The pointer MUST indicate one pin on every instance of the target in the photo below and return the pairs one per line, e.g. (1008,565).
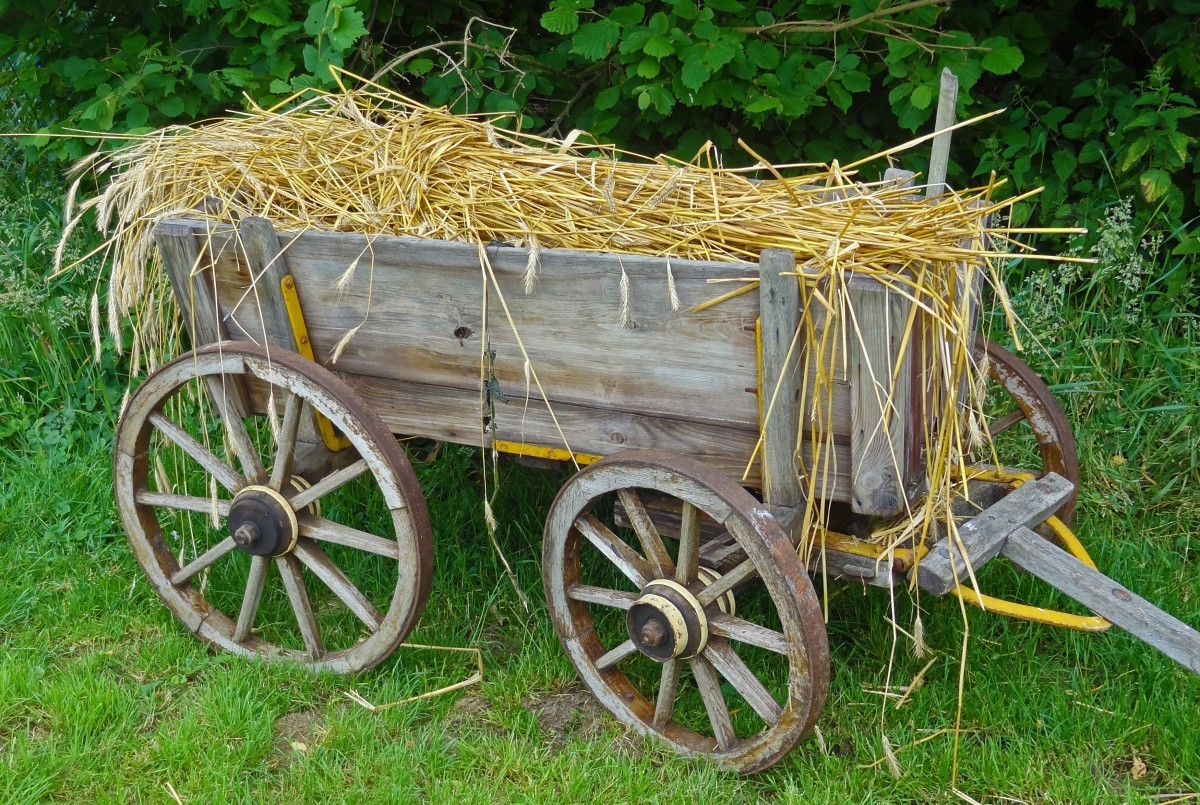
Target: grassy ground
(103,696)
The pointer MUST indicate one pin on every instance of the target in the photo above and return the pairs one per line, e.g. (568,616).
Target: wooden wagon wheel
(634,620)
(237,511)
(1032,407)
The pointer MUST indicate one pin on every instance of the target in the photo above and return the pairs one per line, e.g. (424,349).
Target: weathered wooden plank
(939,156)
(263,255)
(982,537)
(1105,597)
(452,415)
(193,279)
(880,398)
(779,310)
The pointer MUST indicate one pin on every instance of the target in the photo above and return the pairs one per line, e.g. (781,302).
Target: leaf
(658,46)
(137,116)
(1137,769)
(265,16)
(685,9)
(659,23)
(764,54)
(856,81)
(841,99)
(1001,58)
(1180,142)
(1134,153)
(695,72)
(348,26)
(628,15)
(607,98)
(764,104)
(706,31)
(721,52)
(594,40)
(726,6)
(1064,164)
(649,68)
(922,96)
(560,20)
(171,107)
(1154,183)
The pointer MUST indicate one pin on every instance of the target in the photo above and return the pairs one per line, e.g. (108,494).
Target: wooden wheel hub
(262,522)
(667,621)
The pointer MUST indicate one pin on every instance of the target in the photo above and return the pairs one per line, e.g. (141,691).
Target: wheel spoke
(647,534)
(188,503)
(627,560)
(281,468)
(324,569)
(329,531)
(602,596)
(235,429)
(743,572)
(1001,424)
(254,590)
(293,582)
(614,656)
(226,475)
(714,701)
(743,680)
(746,632)
(668,690)
(203,560)
(330,482)
(689,544)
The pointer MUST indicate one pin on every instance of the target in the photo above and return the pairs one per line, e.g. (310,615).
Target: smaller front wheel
(734,667)
(331,572)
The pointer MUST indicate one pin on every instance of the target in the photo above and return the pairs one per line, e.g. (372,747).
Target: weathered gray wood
(450,414)
(779,309)
(193,279)
(1105,597)
(260,248)
(982,537)
(879,399)
(939,157)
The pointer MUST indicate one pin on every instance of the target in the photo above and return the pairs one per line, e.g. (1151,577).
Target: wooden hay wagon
(670,561)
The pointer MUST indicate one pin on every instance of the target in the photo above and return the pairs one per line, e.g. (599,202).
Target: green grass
(103,696)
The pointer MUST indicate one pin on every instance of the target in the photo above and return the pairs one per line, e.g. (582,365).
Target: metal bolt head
(246,535)
(652,633)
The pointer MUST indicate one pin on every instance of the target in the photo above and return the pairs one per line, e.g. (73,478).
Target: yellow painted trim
(1025,612)
(287,286)
(538,451)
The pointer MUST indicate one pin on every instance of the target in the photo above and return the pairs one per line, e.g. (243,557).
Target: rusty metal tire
(794,656)
(250,502)
(1041,412)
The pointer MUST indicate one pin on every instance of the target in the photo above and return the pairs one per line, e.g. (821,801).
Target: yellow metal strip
(1025,612)
(291,301)
(538,451)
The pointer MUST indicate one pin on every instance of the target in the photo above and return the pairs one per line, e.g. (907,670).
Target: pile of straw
(369,160)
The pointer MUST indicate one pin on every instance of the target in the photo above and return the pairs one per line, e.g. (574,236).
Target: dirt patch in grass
(574,713)
(298,732)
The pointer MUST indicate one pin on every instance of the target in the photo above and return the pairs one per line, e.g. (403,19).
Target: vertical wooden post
(880,397)
(779,311)
(939,156)
(260,248)
(194,284)
(259,245)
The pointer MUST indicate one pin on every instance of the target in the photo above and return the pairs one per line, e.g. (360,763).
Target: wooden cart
(671,571)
